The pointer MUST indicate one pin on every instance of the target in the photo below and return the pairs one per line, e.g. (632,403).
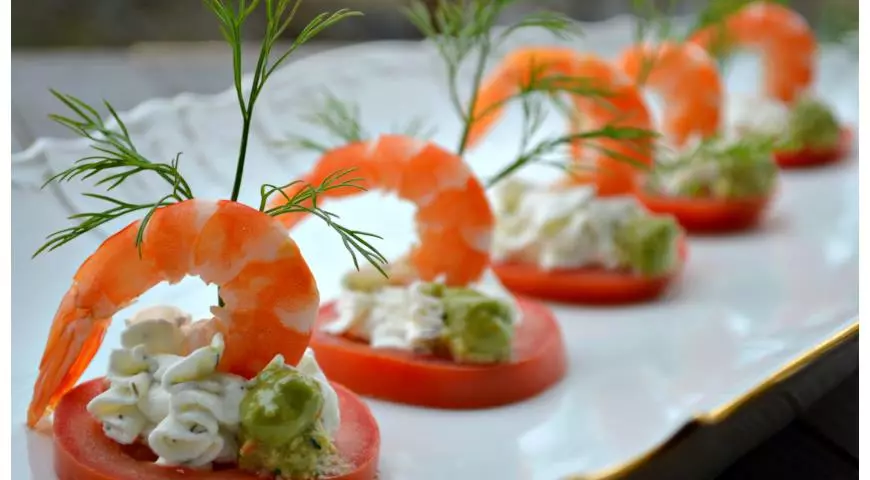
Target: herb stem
(240,165)
(514,166)
(475,91)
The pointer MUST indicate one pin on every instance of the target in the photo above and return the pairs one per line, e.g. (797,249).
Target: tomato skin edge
(540,362)
(809,158)
(707,215)
(588,286)
(82,451)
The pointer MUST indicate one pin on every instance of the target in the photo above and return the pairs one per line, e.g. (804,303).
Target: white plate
(747,306)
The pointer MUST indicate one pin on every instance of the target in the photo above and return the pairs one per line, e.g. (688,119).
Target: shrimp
(620,104)
(787,44)
(454,219)
(687,79)
(269,293)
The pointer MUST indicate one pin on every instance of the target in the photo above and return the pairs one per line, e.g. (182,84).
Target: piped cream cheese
(179,405)
(404,317)
(558,228)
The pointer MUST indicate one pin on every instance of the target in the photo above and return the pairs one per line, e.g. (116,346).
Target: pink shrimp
(687,79)
(270,296)
(621,105)
(454,219)
(786,41)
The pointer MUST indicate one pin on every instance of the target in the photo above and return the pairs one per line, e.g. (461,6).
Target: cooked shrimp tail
(687,79)
(784,38)
(80,339)
(615,161)
(454,220)
(270,295)
(620,104)
(518,70)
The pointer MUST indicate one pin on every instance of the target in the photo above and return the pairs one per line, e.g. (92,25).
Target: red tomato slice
(539,361)
(83,452)
(708,215)
(595,286)
(809,157)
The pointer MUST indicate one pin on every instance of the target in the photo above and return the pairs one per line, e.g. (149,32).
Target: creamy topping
(558,228)
(757,115)
(736,167)
(392,317)
(411,317)
(186,411)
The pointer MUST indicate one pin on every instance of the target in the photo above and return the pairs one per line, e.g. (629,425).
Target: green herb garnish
(116,158)
(462,31)
(340,119)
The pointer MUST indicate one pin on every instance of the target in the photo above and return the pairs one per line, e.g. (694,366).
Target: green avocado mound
(812,124)
(648,244)
(478,329)
(281,434)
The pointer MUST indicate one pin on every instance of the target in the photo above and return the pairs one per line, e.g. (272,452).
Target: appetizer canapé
(175,409)
(182,388)
(807,128)
(431,334)
(585,240)
(717,185)
(805,134)
(707,182)
(568,244)
(236,396)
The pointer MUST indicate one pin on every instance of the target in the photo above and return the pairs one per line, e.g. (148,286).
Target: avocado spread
(648,243)
(281,434)
(477,328)
(812,124)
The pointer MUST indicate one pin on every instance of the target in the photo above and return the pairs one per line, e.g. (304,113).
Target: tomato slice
(810,157)
(83,452)
(708,215)
(592,286)
(539,361)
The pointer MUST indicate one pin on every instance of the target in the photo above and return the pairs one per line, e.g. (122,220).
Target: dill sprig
(542,152)
(716,11)
(544,89)
(653,24)
(340,120)
(305,201)
(115,160)
(279,13)
(839,23)
(463,29)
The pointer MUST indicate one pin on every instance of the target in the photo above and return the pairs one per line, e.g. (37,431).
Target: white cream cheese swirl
(393,317)
(404,317)
(186,412)
(558,228)
(203,412)
(180,406)
(755,115)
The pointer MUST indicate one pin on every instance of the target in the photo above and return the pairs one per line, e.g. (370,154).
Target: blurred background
(56,23)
